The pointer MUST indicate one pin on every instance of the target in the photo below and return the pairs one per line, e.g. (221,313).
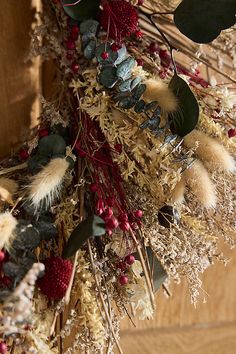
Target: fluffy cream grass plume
(178,192)
(198,180)
(8,188)
(7,227)
(157,90)
(210,151)
(47,184)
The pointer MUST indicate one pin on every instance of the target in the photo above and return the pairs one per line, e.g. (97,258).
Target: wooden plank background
(177,328)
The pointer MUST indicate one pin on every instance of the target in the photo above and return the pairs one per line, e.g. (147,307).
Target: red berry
(3,348)
(123,280)
(130,259)
(75,29)
(23,154)
(93,187)
(70,45)
(109,231)
(105,55)
(138,214)
(153,47)
(139,62)
(75,67)
(112,223)
(124,226)
(2,256)
(110,201)
(140,2)
(43,132)
(231,133)
(138,34)
(108,213)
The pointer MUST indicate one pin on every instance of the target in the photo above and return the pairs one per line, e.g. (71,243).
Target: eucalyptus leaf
(85,38)
(112,56)
(150,106)
(203,20)
(122,53)
(84,10)
(89,26)
(107,76)
(127,102)
(90,227)
(136,81)
(138,91)
(51,145)
(89,50)
(119,96)
(125,86)
(124,69)
(139,107)
(184,120)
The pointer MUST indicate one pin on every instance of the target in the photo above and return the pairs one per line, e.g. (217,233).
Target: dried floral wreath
(129,179)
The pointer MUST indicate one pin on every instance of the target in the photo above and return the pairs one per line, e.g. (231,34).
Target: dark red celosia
(119,18)
(56,279)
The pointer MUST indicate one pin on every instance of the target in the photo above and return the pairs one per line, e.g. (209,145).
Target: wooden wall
(178,328)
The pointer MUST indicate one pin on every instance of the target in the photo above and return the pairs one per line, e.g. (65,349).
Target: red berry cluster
(3,348)
(107,209)
(56,279)
(122,266)
(71,47)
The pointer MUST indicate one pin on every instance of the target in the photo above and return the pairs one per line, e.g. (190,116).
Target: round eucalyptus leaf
(81,11)
(112,56)
(120,96)
(51,145)
(122,53)
(85,38)
(136,81)
(184,120)
(150,106)
(127,102)
(139,106)
(125,86)
(203,20)
(89,26)
(108,77)
(89,50)
(124,69)
(138,91)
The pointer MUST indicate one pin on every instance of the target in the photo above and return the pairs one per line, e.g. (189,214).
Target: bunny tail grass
(13,169)
(210,151)
(7,227)
(157,90)
(47,184)
(178,192)
(8,187)
(198,179)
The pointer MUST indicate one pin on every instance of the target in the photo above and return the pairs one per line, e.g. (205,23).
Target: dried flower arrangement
(128,178)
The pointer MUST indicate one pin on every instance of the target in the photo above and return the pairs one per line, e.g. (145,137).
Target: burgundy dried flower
(119,18)
(56,279)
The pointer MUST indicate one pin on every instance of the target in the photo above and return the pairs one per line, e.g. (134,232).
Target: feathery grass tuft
(8,187)
(7,227)
(47,184)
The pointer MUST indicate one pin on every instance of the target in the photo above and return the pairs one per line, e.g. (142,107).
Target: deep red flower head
(56,279)
(119,18)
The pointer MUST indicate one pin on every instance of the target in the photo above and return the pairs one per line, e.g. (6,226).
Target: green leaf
(122,52)
(125,86)
(84,10)
(51,145)
(184,120)
(112,56)
(138,91)
(124,69)
(107,76)
(90,227)
(89,26)
(139,107)
(158,272)
(89,50)
(203,20)
(127,102)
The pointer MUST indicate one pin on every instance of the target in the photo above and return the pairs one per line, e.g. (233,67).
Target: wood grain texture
(19,79)
(189,340)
